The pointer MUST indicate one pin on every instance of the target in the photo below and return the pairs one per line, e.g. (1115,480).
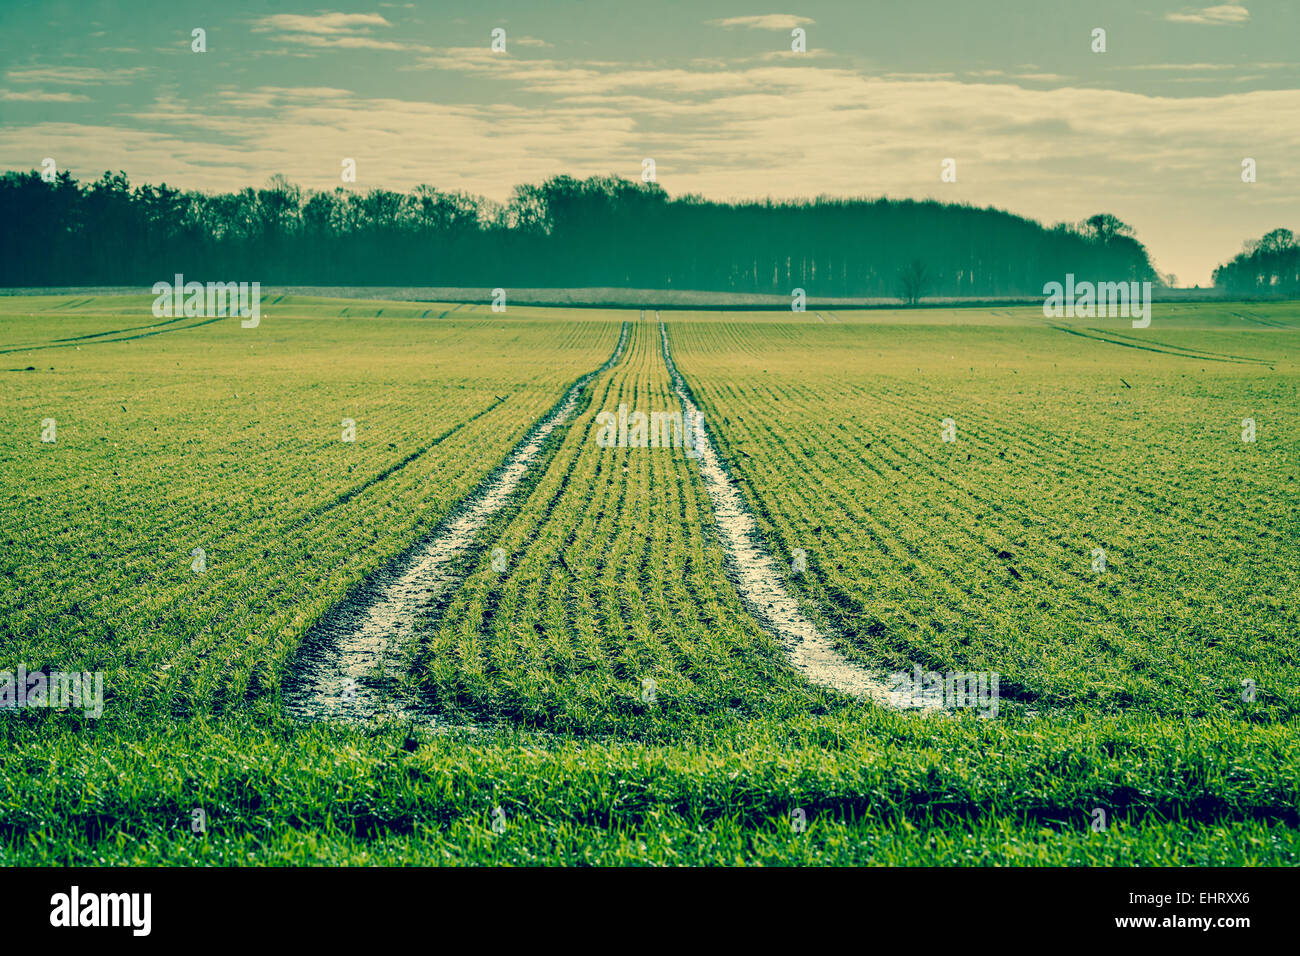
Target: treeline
(1268,265)
(565,232)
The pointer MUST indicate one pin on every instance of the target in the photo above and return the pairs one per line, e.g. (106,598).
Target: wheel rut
(756,572)
(351,662)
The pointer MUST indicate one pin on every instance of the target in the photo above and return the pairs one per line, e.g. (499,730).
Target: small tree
(913,280)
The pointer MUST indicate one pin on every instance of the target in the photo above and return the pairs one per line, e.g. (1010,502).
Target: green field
(1164,690)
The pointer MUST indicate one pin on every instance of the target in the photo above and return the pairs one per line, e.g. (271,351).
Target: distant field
(606,297)
(1122,689)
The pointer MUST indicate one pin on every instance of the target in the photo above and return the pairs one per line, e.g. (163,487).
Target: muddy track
(1163,351)
(1267,323)
(756,573)
(351,661)
(131,328)
(1183,348)
(67,344)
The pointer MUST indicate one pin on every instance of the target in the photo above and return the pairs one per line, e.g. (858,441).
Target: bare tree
(1104,228)
(565,232)
(914,280)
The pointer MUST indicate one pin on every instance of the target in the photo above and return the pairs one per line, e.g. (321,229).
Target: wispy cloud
(345,42)
(348,31)
(324,23)
(74,75)
(1182,67)
(41,96)
(768,21)
(729,133)
(1220,14)
(919,76)
(994,74)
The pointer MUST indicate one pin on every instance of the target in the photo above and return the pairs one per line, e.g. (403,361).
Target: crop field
(592,676)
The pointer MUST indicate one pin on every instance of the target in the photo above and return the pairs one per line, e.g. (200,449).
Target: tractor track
(755,571)
(352,660)
(1163,351)
(77,343)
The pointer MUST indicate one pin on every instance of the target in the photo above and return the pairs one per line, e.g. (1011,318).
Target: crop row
(978,554)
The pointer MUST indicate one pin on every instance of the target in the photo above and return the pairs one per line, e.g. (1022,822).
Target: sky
(1153,130)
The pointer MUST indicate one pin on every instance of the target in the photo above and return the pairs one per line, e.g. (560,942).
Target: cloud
(768,21)
(769,129)
(1182,66)
(785,55)
(74,75)
(37,96)
(1037,77)
(346,31)
(324,23)
(345,42)
(1223,13)
(530,41)
(918,76)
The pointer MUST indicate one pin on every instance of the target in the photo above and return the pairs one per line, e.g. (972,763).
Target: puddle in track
(352,659)
(758,578)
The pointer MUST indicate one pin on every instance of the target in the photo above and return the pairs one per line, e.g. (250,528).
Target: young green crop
(1122,688)
(979,553)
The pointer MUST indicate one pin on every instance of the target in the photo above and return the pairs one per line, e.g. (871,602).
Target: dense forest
(565,232)
(1268,265)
